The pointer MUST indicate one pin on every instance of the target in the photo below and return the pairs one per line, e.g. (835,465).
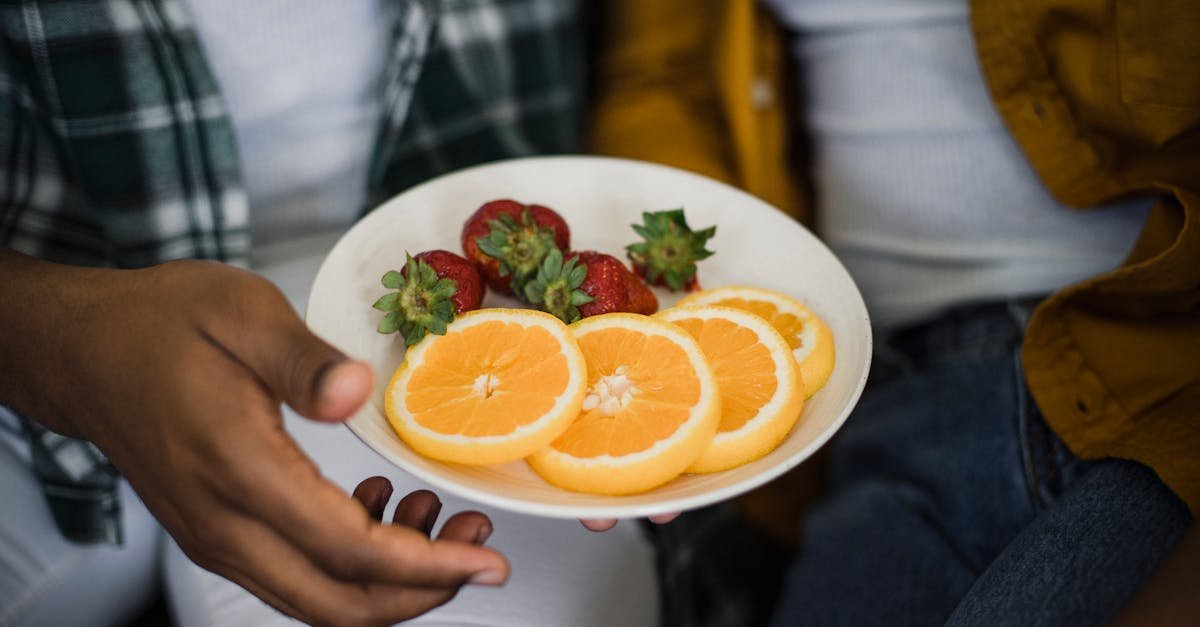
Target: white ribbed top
(921,191)
(300,80)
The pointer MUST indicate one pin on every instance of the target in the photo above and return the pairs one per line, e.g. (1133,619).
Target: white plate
(600,197)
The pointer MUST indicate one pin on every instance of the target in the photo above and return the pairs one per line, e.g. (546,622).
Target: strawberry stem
(555,289)
(520,247)
(421,303)
(670,248)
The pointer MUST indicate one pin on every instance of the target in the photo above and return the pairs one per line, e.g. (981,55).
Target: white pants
(562,574)
(47,580)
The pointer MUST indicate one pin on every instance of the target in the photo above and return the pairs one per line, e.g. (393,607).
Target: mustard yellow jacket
(1103,97)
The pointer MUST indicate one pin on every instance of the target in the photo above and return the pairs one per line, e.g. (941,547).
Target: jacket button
(1039,110)
(762,96)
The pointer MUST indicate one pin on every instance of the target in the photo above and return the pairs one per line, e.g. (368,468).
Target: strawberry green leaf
(552,265)
(393,280)
(412,333)
(520,247)
(388,302)
(555,289)
(390,323)
(436,326)
(576,274)
(443,311)
(535,292)
(670,248)
(421,304)
(443,289)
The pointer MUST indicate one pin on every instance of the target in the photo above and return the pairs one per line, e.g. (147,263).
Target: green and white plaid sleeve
(115,148)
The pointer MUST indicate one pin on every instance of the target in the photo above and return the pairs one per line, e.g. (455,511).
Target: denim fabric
(947,465)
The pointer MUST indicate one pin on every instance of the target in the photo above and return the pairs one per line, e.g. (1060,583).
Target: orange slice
(500,384)
(760,384)
(808,335)
(652,407)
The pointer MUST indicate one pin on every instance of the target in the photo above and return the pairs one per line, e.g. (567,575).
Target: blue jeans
(951,502)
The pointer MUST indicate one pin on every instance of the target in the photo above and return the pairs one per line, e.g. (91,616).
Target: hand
(177,372)
(419,510)
(604,524)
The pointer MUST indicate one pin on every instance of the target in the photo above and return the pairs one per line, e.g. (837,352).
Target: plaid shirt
(116,149)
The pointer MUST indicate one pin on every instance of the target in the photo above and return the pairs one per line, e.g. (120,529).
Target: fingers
(471,527)
(283,576)
(272,569)
(387,554)
(276,484)
(604,524)
(599,524)
(418,510)
(374,494)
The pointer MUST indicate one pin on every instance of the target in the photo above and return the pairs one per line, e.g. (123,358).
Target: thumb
(314,378)
(299,368)
(338,391)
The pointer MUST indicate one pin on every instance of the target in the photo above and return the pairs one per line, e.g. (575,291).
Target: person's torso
(301,83)
(920,189)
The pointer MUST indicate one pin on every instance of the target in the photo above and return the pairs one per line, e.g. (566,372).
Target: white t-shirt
(300,80)
(921,191)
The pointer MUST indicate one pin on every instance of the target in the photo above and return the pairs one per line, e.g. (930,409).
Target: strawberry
(586,284)
(670,251)
(507,241)
(431,289)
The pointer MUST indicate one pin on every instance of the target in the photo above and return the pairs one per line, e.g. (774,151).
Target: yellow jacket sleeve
(699,86)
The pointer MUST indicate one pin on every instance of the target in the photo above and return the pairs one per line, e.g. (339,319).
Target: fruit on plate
(508,241)
(499,385)
(651,407)
(761,390)
(810,338)
(588,283)
(669,250)
(431,289)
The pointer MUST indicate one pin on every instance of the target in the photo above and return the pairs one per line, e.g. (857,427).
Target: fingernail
(484,532)
(339,388)
(340,382)
(487,578)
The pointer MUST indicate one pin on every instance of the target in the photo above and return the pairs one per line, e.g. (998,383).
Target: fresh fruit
(588,283)
(669,250)
(508,241)
(810,338)
(431,289)
(499,385)
(761,390)
(651,408)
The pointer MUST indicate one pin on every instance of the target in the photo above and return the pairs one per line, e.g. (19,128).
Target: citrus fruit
(500,384)
(810,338)
(652,406)
(760,384)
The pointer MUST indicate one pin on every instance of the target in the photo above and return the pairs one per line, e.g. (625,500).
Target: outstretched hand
(177,373)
